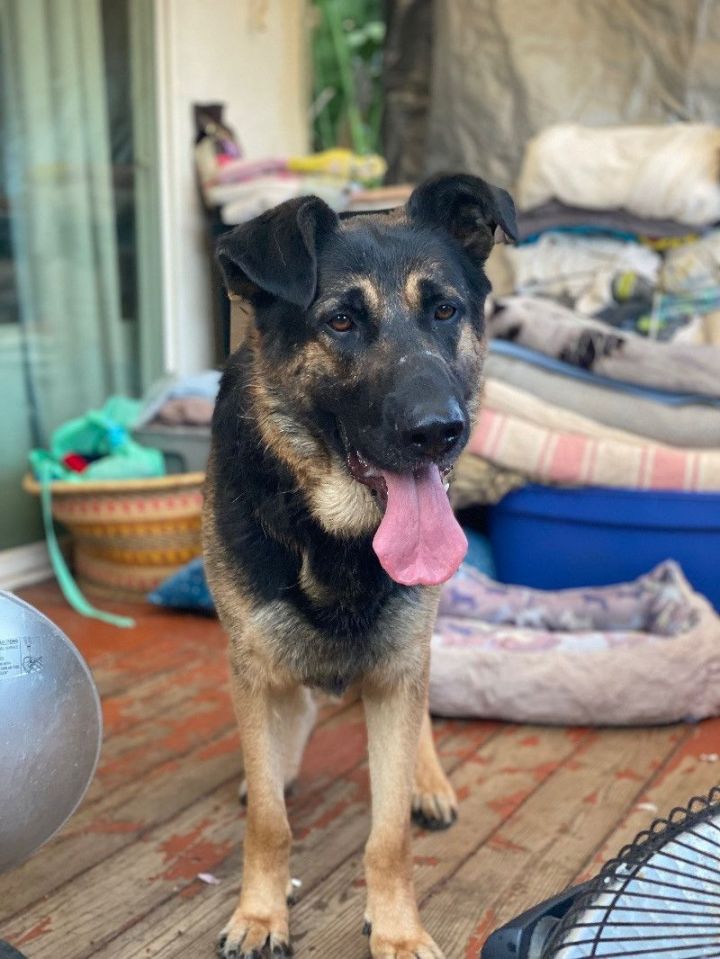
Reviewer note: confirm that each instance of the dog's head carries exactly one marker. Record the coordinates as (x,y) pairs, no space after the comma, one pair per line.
(371,329)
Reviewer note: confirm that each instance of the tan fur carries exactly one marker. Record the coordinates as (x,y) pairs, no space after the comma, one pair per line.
(394,716)
(412,291)
(264,714)
(373,296)
(343,506)
(332,298)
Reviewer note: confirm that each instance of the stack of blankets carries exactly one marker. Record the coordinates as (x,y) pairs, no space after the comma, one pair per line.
(235,188)
(604,360)
(242,189)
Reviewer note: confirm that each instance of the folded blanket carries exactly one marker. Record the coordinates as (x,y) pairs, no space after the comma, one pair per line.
(689,425)
(553,456)
(552,329)
(521,404)
(670,171)
(516,351)
(203,385)
(619,223)
(186,411)
(243,201)
(579,270)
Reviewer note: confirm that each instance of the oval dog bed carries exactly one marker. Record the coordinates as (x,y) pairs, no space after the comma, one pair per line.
(641,652)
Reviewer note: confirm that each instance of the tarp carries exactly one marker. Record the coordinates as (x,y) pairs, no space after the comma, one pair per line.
(502,70)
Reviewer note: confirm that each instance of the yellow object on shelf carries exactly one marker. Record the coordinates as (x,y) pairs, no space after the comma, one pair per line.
(343,163)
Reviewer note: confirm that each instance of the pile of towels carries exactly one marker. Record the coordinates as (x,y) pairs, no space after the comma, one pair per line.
(242,189)
(604,361)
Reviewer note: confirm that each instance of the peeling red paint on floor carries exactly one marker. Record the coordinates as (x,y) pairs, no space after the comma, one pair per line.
(187,854)
(498,841)
(630,774)
(529,741)
(543,770)
(505,805)
(30,935)
(481,932)
(330,749)
(323,820)
(579,734)
(228,745)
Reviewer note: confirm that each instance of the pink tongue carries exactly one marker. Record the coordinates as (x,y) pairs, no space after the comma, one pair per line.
(419,542)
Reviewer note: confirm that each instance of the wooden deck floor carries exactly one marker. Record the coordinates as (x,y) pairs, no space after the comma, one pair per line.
(539,808)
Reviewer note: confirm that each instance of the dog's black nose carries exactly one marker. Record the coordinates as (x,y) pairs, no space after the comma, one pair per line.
(432,431)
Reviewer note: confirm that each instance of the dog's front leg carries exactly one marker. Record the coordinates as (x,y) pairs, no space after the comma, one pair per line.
(261,917)
(394,716)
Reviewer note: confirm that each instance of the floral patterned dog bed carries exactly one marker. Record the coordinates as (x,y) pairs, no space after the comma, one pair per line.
(640,652)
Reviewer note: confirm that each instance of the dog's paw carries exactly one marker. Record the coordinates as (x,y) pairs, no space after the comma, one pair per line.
(251,937)
(435,808)
(418,946)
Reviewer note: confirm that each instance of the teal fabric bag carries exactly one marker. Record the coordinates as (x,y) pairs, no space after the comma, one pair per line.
(103,437)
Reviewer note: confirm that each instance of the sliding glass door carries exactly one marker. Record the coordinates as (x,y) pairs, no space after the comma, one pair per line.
(80,314)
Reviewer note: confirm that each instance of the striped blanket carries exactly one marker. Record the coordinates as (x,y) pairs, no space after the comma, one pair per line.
(549,445)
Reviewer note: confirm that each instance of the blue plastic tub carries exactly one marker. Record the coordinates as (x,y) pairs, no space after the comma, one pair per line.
(556,538)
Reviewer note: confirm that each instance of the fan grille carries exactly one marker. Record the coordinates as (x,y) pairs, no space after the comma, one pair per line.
(659,897)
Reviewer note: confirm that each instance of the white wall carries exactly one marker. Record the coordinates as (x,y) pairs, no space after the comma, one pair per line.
(252,56)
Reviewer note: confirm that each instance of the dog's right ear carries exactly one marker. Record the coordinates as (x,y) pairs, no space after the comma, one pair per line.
(277,251)
(474,212)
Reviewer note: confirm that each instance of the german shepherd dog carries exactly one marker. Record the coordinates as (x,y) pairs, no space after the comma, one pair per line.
(327,524)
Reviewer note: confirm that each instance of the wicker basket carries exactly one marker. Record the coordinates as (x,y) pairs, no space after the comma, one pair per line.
(129,535)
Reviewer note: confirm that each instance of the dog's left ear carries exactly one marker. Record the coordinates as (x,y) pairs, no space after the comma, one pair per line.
(474,212)
(277,251)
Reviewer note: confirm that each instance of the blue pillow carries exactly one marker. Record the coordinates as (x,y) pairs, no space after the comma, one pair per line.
(479,552)
(186,589)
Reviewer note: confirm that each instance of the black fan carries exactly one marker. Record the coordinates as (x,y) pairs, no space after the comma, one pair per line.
(659,898)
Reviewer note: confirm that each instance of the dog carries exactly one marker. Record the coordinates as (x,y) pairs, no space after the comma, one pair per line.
(327,525)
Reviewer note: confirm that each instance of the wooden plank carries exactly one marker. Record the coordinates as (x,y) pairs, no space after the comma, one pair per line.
(158,648)
(74,919)
(327,859)
(692,769)
(182,925)
(539,848)
(331,828)
(539,808)
(122,816)
(161,641)
(162,693)
(502,779)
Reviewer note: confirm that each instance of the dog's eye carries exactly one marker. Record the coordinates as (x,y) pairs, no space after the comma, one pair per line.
(446,311)
(341,323)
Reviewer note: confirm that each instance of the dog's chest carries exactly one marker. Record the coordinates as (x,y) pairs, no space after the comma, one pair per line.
(331,647)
